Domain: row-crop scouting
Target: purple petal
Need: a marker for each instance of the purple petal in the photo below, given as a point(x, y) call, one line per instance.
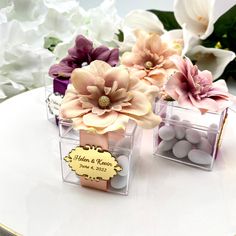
point(114, 57)
point(61, 71)
point(105, 54)
point(98, 51)
point(70, 62)
point(82, 48)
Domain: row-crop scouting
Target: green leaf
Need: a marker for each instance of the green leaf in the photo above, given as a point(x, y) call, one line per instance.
point(167, 18)
point(230, 71)
point(120, 36)
point(224, 37)
point(225, 23)
point(51, 42)
point(224, 31)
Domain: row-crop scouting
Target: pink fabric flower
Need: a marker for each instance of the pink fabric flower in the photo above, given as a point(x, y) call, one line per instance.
point(102, 98)
point(194, 88)
point(149, 59)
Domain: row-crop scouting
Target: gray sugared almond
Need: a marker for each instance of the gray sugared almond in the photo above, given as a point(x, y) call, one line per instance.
point(182, 148)
point(200, 157)
point(166, 133)
point(204, 145)
point(118, 182)
point(193, 136)
point(123, 161)
point(179, 132)
point(165, 146)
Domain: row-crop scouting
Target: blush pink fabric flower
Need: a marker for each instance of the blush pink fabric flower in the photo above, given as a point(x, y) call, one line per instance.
point(149, 59)
point(102, 98)
point(194, 88)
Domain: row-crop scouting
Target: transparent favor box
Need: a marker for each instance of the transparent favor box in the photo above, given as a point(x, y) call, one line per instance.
point(122, 145)
point(54, 93)
point(48, 96)
point(186, 136)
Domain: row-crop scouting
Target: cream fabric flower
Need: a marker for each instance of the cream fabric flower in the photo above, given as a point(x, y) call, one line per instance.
point(102, 98)
point(149, 59)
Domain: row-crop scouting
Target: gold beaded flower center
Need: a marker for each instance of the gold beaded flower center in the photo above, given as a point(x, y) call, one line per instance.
point(148, 65)
point(104, 101)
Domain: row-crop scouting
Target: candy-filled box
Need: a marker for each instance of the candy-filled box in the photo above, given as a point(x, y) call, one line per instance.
point(101, 161)
point(187, 136)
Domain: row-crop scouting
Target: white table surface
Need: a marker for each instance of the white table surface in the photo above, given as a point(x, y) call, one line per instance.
point(165, 198)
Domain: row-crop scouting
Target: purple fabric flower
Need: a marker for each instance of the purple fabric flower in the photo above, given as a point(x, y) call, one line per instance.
point(82, 53)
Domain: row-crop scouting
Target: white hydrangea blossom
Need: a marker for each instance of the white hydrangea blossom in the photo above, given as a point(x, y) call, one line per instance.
point(26, 23)
point(100, 24)
point(23, 60)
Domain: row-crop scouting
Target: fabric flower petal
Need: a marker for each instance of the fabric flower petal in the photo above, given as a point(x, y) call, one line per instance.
point(81, 79)
point(150, 120)
point(120, 75)
point(105, 120)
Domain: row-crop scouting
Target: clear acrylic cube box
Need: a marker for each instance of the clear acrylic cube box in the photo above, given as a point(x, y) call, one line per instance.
point(126, 143)
point(48, 93)
point(186, 136)
point(54, 93)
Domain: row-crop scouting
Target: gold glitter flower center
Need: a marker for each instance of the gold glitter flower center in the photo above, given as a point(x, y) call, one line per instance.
point(148, 65)
point(104, 101)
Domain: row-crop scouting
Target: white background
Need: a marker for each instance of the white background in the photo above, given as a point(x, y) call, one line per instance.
point(124, 6)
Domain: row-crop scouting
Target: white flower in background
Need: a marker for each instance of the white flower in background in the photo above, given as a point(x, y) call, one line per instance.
point(190, 40)
point(212, 59)
point(5, 3)
point(100, 24)
point(143, 20)
point(135, 20)
point(59, 20)
point(149, 22)
point(199, 16)
point(30, 13)
point(103, 22)
point(128, 41)
point(174, 38)
point(3, 18)
point(26, 23)
point(23, 61)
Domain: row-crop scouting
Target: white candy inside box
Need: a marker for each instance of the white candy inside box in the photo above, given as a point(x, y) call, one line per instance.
point(180, 140)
